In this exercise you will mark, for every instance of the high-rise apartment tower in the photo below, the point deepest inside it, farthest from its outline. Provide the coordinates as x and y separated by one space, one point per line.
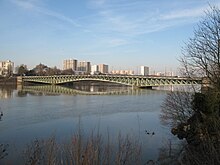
70 64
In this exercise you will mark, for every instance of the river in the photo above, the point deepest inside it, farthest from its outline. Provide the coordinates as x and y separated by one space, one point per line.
39 112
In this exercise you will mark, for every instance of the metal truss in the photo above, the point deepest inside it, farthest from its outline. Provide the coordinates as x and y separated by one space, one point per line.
135 81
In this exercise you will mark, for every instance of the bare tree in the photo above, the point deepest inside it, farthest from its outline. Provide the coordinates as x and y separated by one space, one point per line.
201 57
176 108
201 54
198 114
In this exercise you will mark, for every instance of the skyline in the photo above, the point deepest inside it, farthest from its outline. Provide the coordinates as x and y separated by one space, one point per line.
124 34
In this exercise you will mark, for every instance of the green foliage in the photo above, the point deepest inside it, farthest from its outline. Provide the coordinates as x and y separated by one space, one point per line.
22 70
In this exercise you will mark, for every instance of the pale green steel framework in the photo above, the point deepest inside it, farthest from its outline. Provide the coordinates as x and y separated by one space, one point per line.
136 81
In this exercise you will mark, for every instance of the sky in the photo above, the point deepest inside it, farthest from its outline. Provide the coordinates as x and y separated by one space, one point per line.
123 34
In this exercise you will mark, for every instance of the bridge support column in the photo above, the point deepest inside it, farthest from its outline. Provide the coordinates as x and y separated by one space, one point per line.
19 80
19 83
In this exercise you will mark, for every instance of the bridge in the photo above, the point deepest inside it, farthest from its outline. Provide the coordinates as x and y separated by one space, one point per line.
134 81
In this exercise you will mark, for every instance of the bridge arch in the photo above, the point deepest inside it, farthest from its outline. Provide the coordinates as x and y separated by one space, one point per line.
98 80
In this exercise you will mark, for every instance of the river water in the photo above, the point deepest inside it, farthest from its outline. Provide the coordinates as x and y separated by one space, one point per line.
38 112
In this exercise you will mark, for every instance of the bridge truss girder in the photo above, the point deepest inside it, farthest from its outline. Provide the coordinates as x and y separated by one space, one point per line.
137 81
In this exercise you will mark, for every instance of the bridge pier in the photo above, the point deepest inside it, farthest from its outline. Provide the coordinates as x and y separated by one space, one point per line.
19 80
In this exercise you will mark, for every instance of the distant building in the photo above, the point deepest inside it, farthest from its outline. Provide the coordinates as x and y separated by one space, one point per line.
84 67
160 74
164 74
144 70
122 72
6 68
95 69
70 64
102 68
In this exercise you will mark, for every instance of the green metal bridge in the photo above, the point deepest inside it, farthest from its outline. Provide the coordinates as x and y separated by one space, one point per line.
135 81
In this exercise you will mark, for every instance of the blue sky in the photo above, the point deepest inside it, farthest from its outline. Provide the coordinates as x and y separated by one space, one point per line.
121 33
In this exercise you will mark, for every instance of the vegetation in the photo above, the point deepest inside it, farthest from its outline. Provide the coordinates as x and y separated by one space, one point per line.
201 55
38 70
196 116
177 108
42 70
78 151
21 70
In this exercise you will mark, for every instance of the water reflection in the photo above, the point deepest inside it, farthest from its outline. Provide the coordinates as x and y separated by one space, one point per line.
1 115
3 150
6 91
57 90
79 90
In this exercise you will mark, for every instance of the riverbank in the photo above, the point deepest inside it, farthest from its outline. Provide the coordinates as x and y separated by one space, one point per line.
8 81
